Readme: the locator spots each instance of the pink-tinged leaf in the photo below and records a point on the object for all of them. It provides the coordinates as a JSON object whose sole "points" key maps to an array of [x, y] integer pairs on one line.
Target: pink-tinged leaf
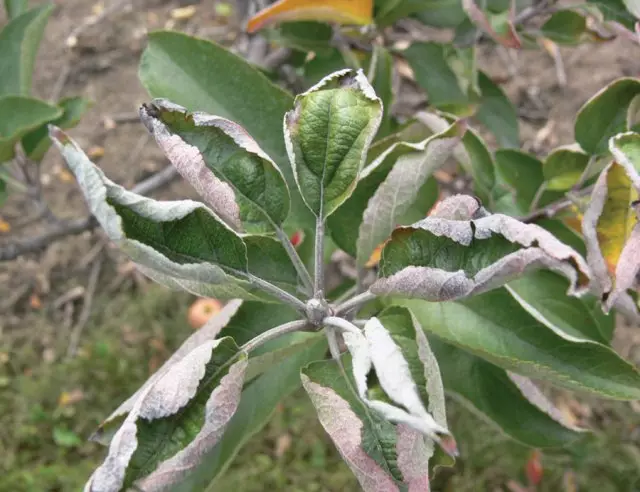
{"points": [[442, 258], [533, 394], [345, 429], [208, 332], [413, 458], [136, 455], [500, 27]]}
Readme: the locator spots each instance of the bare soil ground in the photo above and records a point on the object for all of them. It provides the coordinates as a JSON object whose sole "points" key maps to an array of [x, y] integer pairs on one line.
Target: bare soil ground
{"points": [[103, 66]]}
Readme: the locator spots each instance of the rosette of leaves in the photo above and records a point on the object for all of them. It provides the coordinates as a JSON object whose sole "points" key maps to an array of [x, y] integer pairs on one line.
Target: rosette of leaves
{"points": [[446, 313]]}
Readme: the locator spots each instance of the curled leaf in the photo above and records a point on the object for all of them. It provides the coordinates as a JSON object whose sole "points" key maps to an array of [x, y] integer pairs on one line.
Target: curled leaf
{"points": [[444, 258], [240, 183], [358, 12], [175, 420], [328, 134], [397, 193]]}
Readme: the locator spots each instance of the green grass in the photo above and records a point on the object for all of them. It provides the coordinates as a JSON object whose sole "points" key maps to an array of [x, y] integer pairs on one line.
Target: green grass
{"points": [[43, 444]]}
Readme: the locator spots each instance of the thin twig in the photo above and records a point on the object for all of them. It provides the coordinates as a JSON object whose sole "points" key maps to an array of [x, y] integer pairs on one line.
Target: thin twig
{"points": [[77, 226], [86, 308], [354, 302], [554, 208], [296, 260], [275, 291], [273, 333]]}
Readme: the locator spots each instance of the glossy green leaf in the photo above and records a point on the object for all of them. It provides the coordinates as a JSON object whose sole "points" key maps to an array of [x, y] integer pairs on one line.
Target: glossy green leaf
{"points": [[488, 391], [15, 7], [460, 251], [240, 183], [563, 167], [495, 327], [203, 76], [27, 114], [565, 27], [19, 42], [328, 134], [175, 420], [380, 74], [181, 244], [435, 76], [257, 404], [605, 115], [37, 142], [497, 113], [543, 294]]}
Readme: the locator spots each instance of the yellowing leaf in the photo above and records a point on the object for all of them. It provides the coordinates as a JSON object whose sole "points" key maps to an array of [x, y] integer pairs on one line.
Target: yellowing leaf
{"points": [[4, 227], [340, 11], [618, 218]]}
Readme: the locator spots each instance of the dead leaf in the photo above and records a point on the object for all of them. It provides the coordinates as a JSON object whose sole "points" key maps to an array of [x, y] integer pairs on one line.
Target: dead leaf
{"points": [[183, 13]]}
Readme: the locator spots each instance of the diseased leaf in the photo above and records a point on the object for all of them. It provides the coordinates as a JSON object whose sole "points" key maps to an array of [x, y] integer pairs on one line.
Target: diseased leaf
{"points": [[240, 183], [25, 114], [175, 420], [37, 142], [628, 267], [488, 391], [202, 76], [399, 190], [259, 400], [500, 26], [328, 134], [338, 11], [182, 243], [605, 115], [543, 294], [497, 113], [19, 43], [208, 331], [563, 167], [495, 327], [460, 251]]}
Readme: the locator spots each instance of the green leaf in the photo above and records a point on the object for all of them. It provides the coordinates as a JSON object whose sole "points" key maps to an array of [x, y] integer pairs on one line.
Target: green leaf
{"points": [[543, 294], [180, 416], [497, 113], [328, 134], [565, 27], [367, 442], [26, 115], [497, 22], [226, 166], [19, 42], [181, 244], [257, 404], [442, 13], [605, 115], [15, 7], [495, 327], [268, 260], [435, 76], [303, 36], [4, 192], [66, 438], [394, 198], [615, 10], [488, 391], [563, 167], [203, 76], [380, 74], [37, 142], [460, 251], [480, 165], [389, 11]]}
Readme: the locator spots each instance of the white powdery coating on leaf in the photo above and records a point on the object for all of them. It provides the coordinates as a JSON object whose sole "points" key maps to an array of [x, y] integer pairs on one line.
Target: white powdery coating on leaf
{"points": [[345, 429], [360, 360], [220, 407], [398, 192], [533, 394], [430, 284], [392, 368], [413, 453], [208, 332], [624, 159], [189, 162], [600, 282], [627, 268], [456, 207]]}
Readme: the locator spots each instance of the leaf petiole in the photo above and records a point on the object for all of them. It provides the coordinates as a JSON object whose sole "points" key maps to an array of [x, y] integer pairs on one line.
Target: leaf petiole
{"points": [[295, 259], [276, 332], [354, 302]]}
